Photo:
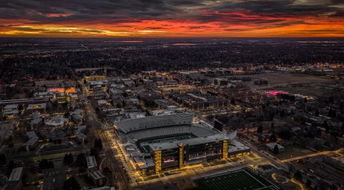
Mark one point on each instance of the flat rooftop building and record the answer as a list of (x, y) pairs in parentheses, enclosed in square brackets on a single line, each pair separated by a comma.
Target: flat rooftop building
[(97, 177), (16, 174), (10, 110), (14, 180), (37, 106), (23, 101), (91, 162), (56, 121)]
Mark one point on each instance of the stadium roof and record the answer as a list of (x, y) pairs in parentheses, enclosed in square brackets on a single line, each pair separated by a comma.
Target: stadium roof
[(127, 126), (197, 130)]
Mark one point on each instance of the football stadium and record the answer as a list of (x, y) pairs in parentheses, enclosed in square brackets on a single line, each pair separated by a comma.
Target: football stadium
[(157, 143)]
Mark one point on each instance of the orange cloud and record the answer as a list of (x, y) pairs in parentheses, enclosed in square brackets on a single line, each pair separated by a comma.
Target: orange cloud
[(234, 24), (52, 15)]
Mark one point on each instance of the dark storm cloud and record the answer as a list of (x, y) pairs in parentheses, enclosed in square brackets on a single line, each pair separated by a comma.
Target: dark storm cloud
[(235, 19), (288, 23), (282, 7), (338, 14), (87, 9), (122, 11)]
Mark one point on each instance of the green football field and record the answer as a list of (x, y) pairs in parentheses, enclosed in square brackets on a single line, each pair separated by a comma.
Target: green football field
[(238, 180)]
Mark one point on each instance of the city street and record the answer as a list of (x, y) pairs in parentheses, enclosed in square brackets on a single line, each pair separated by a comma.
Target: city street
[(119, 174)]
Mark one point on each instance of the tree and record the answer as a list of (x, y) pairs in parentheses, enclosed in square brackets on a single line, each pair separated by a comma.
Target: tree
[(98, 144), (325, 125), (45, 164), (94, 152), (65, 159), (285, 134), (107, 170), (10, 167), (260, 129), (273, 138), (276, 149), (272, 129), (332, 113), (67, 115), (298, 175), (316, 113), (3, 159), (331, 99), (71, 184), (20, 107), (81, 160), (68, 159), (71, 158)]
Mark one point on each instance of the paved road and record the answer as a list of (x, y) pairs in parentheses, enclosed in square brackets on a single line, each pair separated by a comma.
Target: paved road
[(99, 129), (312, 155), (201, 170), (267, 156), (282, 164)]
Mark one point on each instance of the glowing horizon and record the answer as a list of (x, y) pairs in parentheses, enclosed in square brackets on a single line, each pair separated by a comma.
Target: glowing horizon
[(172, 18)]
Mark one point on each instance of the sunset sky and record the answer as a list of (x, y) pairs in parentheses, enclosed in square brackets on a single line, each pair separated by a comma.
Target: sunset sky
[(172, 18)]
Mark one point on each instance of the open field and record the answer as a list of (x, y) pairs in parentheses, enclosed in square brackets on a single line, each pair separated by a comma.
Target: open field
[(289, 78), (307, 90), (305, 84)]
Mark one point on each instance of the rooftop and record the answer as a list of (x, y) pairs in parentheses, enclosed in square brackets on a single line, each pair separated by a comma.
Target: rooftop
[(56, 121), (36, 106), (130, 125), (91, 162), (11, 106), (16, 174), (96, 174)]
